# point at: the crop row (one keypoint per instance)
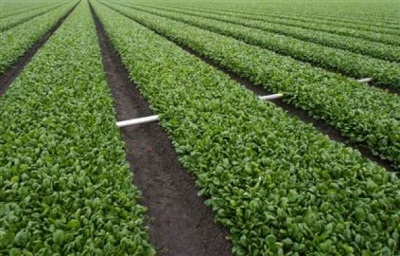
(370, 15)
(303, 14)
(355, 65)
(374, 19)
(377, 50)
(384, 22)
(299, 18)
(371, 25)
(363, 114)
(16, 41)
(65, 186)
(374, 26)
(18, 19)
(277, 184)
(367, 20)
(368, 35)
(340, 30)
(16, 8)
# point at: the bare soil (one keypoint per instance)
(14, 70)
(180, 224)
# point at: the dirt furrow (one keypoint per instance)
(179, 223)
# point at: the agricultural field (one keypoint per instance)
(193, 127)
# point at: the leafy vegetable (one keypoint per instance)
(363, 114)
(18, 19)
(65, 186)
(367, 26)
(373, 49)
(277, 184)
(16, 41)
(352, 64)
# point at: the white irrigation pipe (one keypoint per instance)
(272, 96)
(141, 120)
(148, 119)
(365, 80)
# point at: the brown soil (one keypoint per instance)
(14, 70)
(180, 224)
(319, 125)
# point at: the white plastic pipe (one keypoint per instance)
(149, 119)
(140, 120)
(272, 96)
(365, 80)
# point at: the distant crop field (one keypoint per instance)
(199, 127)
